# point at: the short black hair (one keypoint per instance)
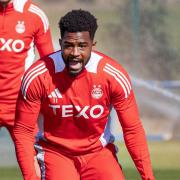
(78, 21)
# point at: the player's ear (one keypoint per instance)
(94, 45)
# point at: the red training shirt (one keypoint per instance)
(76, 110)
(22, 25)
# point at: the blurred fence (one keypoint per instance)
(159, 109)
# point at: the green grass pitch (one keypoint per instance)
(164, 156)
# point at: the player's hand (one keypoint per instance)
(37, 168)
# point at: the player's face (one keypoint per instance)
(76, 50)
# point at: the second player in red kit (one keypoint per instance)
(23, 25)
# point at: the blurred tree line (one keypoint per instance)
(156, 58)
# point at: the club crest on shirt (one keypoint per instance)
(97, 92)
(20, 27)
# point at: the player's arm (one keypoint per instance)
(123, 101)
(42, 34)
(28, 106)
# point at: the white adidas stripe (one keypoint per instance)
(49, 96)
(120, 77)
(28, 74)
(31, 73)
(55, 94)
(58, 93)
(122, 85)
(125, 78)
(26, 85)
(41, 14)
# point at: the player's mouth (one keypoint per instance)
(75, 65)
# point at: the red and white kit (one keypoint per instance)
(75, 111)
(23, 25)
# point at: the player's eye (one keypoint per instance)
(68, 46)
(82, 45)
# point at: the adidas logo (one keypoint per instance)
(55, 95)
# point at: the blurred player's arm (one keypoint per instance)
(24, 144)
(42, 35)
(28, 106)
(124, 103)
(135, 139)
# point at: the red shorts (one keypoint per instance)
(101, 165)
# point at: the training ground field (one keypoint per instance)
(165, 159)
